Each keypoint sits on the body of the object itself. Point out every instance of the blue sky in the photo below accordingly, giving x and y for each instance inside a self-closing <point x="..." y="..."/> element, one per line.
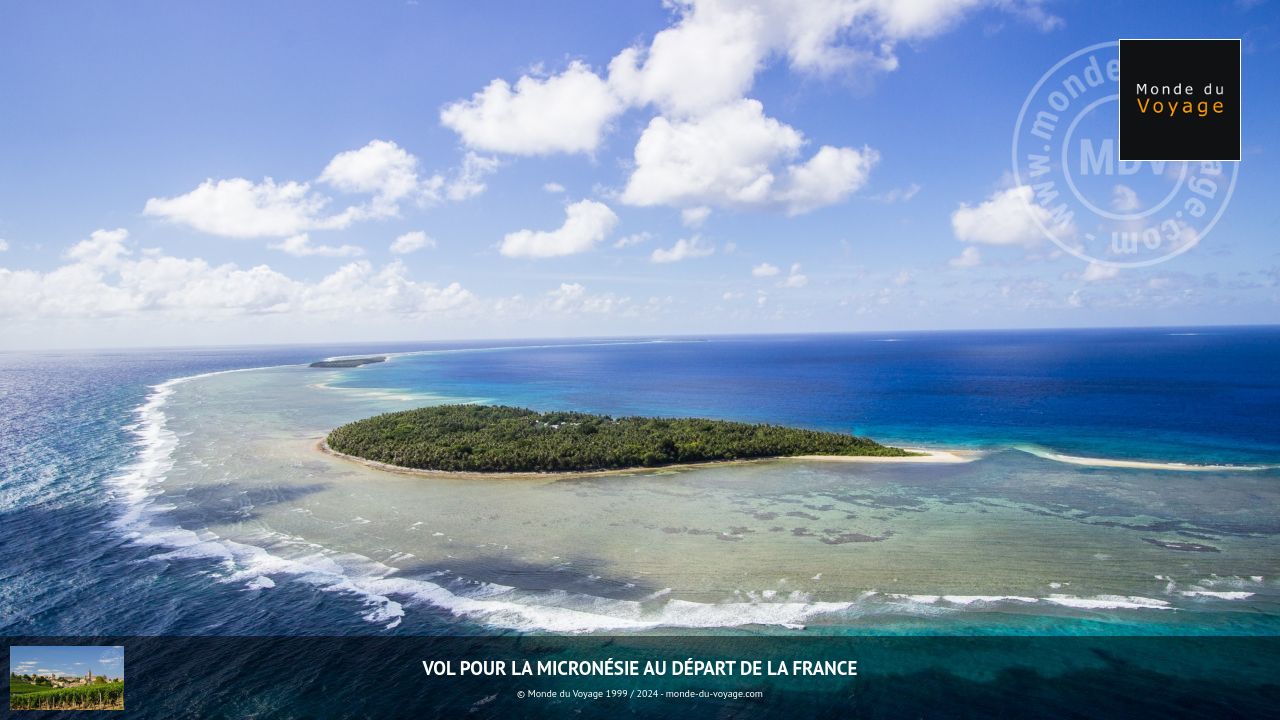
<point x="571" y="169"/>
<point x="67" y="660"/>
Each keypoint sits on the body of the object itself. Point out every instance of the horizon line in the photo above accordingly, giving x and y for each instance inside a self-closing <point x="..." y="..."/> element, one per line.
<point x="673" y="336"/>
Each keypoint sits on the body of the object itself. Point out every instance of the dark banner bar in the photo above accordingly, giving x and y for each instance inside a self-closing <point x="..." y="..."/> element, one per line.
<point x="505" y="677"/>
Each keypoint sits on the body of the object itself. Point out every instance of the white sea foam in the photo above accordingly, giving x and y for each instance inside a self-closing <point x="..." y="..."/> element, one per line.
<point x="1218" y="594"/>
<point x="1096" y="602"/>
<point x="1047" y="454"/>
<point x="963" y="600"/>
<point x="987" y="599"/>
<point x="1109" y="602"/>
<point x="1232" y="581"/>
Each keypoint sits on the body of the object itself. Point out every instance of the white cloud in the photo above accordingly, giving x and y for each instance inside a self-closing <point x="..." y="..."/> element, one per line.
<point x="1124" y="199"/>
<point x="1007" y="217"/>
<point x="712" y="147"/>
<point x="300" y="246"/>
<point x="104" y="278"/>
<point x="1033" y="12"/>
<point x="899" y="194"/>
<point x="574" y="298"/>
<point x="381" y="168"/>
<point x="411" y="242"/>
<point x="1097" y="271"/>
<point x="712" y="53"/>
<point x="359" y="288"/>
<point x="469" y="180"/>
<point x="553" y="187"/>
<point x="4" y="245"/>
<point x="765" y="270"/>
<point x="632" y="239"/>
<point x="708" y="58"/>
<point x="240" y="208"/>
<point x="794" y="279"/>
<point x="563" y="113"/>
<point x="694" y="217"/>
<point x="684" y="249"/>
<point x="732" y="157"/>
<point x="586" y="223"/>
<point x="103" y="248"/>
<point x="722" y="158"/>
<point x="830" y="176"/>
<point x="969" y="257"/>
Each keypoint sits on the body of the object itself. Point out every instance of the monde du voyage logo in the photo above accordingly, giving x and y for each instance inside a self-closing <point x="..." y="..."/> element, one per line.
<point x="1130" y="163"/>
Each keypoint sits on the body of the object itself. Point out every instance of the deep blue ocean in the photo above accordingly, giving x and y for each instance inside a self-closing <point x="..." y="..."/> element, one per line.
<point x="1187" y="395"/>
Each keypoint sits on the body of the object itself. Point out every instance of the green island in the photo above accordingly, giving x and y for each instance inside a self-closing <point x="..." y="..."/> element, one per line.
<point x="501" y="439"/>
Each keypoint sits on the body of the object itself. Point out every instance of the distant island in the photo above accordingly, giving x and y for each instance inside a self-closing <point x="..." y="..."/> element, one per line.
<point x="347" y="362"/>
<point x="501" y="439"/>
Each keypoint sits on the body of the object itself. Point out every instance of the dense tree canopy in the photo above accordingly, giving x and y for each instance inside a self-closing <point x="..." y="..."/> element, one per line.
<point x="495" y="438"/>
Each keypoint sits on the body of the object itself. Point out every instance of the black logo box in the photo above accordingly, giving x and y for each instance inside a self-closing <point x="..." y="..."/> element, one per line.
<point x="1185" y="67"/>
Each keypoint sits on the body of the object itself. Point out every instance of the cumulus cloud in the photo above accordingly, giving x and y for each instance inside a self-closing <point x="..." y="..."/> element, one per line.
<point x="733" y="157"/>
<point x="565" y="113"/>
<point x="103" y="248"/>
<point x="586" y="223"/>
<point x="969" y="257"/>
<point x="469" y="180"/>
<point x="388" y="174"/>
<point x="794" y="279"/>
<point x="412" y="242"/>
<point x="764" y="270"/>
<point x="709" y="57"/>
<point x="381" y="168"/>
<point x="1096" y="272"/>
<point x="712" y="53"/>
<point x="569" y="299"/>
<point x="1124" y="199"/>
<point x="1007" y="217"/>
<point x="632" y="239"/>
<point x="4" y="245"/>
<point x="574" y="298"/>
<point x="241" y="208"/>
<point x="301" y="246"/>
<point x="684" y="249"/>
<point x="694" y="217"/>
<point x="711" y="146"/>
<point x="830" y="176"/>
<point x="106" y="278"/>
<point x="553" y="187"/>
<point x="722" y="158"/>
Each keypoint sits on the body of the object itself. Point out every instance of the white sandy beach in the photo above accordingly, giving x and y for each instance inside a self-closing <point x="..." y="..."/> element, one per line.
<point x="926" y="456"/>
